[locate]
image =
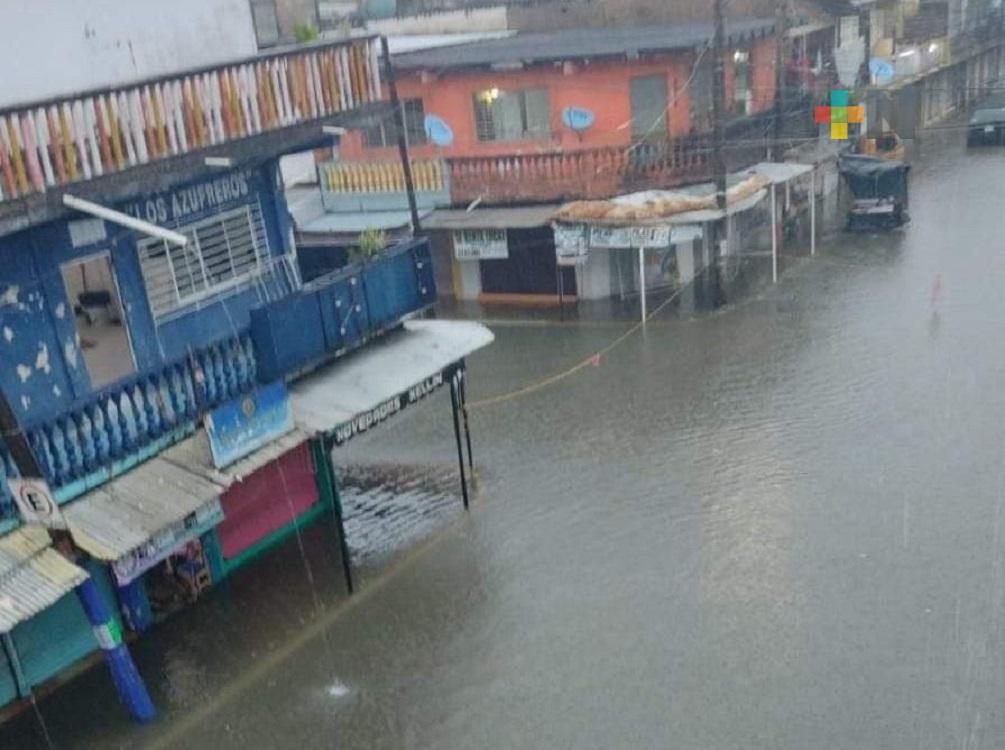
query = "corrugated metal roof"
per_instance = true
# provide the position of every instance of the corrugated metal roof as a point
(522, 217)
(374, 375)
(572, 44)
(194, 454)
(120, 516)
(354, 222)
(33, 576)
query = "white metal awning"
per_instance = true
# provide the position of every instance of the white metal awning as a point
(779, 173)
(33, 576)
(519, 217)
(373, 377)
(126, 513)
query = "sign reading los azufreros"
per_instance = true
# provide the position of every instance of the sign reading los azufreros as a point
(367, 419)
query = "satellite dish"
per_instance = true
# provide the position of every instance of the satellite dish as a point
(882, 71)
(438, 131)
(577, 118)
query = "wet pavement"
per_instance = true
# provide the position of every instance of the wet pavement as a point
(776, 525)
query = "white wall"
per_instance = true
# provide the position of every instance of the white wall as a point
(446, 22)
(56, 47)
(471, 278)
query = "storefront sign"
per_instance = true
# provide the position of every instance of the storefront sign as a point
(166, 542)
(193, 201)
(36, 503)
(624, 237)
(244, 425)
(363, 422)
(571, 247)
(480, 244)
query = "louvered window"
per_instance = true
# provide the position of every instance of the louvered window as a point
(222, 251)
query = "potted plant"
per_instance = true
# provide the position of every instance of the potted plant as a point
(371, 242)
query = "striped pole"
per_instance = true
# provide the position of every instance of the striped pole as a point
(127, 679)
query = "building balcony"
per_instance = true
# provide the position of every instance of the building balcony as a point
(518, 178)
(581, 174)
(110, 140)
(111, 430)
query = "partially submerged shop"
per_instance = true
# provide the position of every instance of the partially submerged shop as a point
(259, 469)
(501, 255)
(659, 241)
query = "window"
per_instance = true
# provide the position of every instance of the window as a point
(741, 81)
(93, 293)
(512, 115)
(649, 107)
(263, 14)
(222, 251)
(381, 133)
(700, 92)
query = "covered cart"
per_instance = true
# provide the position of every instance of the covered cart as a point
(879, 192)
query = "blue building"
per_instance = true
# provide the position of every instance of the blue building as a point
(160, 351)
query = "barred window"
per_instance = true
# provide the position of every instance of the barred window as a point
(512, 115)
(222, 251)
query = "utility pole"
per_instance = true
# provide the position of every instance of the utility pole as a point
(399, 126)
(126, 677)
(718, 94)
(777, 152)
(718, 161)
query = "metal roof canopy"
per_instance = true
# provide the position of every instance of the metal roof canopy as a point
(779, 172)
(370, 377)
(573, 44)
(359, 221)
(33, 576)
(522, 217)
(374, 383)
(120, 516)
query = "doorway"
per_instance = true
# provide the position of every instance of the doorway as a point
(94, 298)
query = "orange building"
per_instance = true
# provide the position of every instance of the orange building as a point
(547, 117)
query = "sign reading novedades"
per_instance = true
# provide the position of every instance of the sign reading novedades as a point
(363, 422)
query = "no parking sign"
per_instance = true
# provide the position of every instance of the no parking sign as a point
(36, 502)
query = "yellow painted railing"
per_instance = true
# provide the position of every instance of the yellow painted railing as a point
(77, 138)
(383, 177)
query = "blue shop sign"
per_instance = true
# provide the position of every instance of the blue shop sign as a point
(244, 425)
(196, 201)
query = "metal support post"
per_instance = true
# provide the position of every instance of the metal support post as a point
(328, 487)
(14, 661)
(642, 280)
(813, 210)
(774, 236)
(463, 392)
(455, 405)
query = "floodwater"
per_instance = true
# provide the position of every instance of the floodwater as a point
(778, 525)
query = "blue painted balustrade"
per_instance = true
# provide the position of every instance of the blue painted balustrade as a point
(112, 429)
(121, 425)
(341, 311)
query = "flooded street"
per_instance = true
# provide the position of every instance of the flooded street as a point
(778, 525)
